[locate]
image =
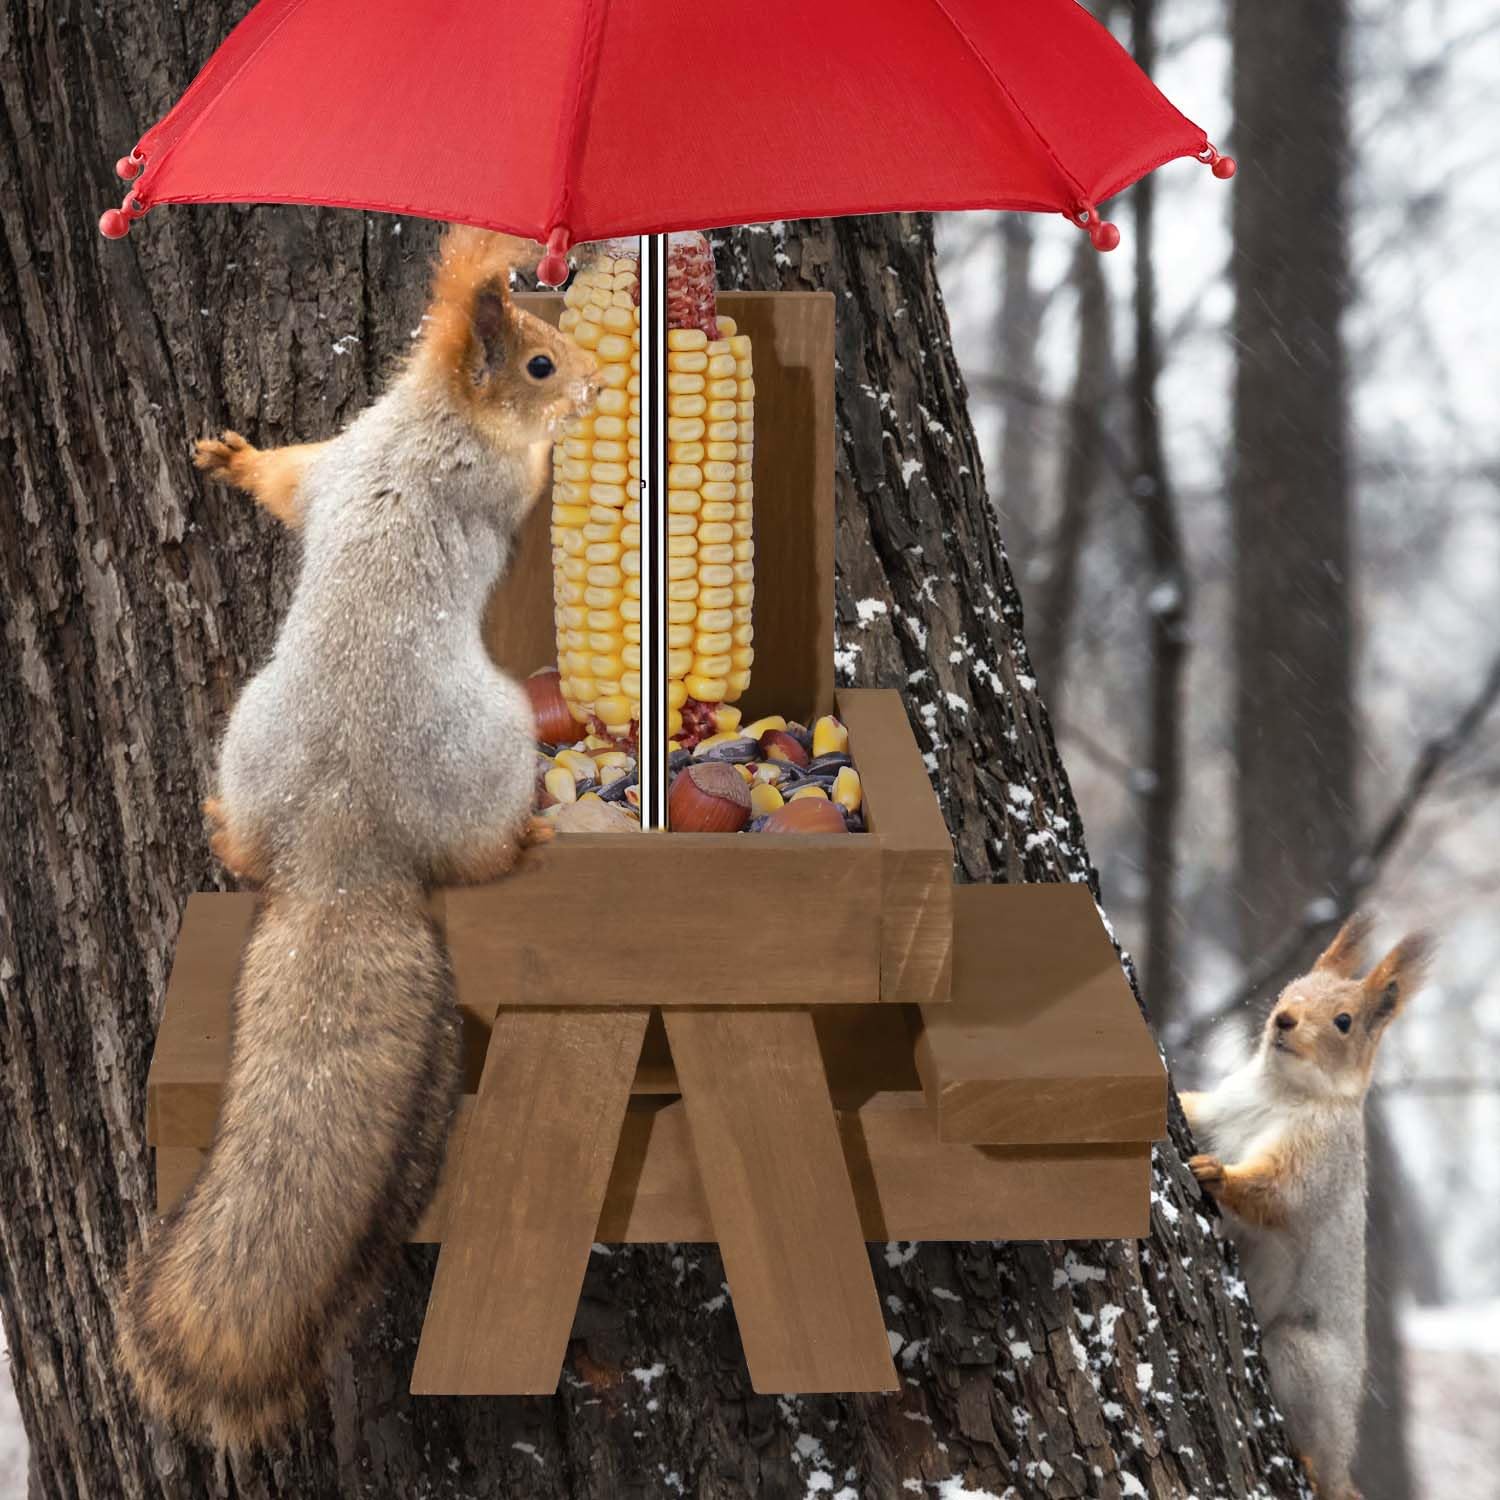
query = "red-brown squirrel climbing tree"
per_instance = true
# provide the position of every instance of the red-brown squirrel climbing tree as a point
(136, 601)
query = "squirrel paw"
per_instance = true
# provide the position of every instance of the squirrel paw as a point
(219, 457)
(242, 860)
(537, 830)
(1209, 1171)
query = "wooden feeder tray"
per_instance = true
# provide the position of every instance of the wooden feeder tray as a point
(786, 1045)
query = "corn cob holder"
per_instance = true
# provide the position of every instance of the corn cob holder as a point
(788, 1046)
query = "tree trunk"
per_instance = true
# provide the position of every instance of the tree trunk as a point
(1017, 325)
(1384, 1469)
(136, 601)
(1167, 594)
(1293, 612)
(1295, 730)
(1084, 464)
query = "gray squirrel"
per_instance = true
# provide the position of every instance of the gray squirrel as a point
(1284, 1139)
(378, 753)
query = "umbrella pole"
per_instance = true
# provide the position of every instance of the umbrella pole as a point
(652, 746)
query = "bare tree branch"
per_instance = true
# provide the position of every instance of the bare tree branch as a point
(1322, 918)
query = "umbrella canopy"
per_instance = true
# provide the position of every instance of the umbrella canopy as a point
(576, 120)
(572, 120)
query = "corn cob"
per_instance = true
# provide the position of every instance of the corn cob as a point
(596, 509)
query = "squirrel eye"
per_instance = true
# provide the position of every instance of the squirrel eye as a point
(539, 367)
(1343, 1020)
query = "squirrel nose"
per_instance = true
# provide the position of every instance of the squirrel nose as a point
(1285, 1021)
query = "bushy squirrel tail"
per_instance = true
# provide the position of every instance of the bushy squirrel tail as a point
(343, 1076)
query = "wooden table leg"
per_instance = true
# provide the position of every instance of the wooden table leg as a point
(526, 1199)
(778, 1190)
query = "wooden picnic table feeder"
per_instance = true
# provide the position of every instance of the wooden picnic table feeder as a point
(788, 1046)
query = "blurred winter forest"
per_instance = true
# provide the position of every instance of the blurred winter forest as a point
(1248, 468)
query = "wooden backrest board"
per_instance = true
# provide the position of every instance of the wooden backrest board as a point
(792, 338)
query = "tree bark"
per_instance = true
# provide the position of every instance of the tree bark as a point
(136, 601)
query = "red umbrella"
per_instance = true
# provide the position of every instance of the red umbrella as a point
(577, 120)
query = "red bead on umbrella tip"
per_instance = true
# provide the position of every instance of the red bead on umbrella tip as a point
(113, 225)
(552, 269)
(127, 168)
(1225, 167)
(1105, 236)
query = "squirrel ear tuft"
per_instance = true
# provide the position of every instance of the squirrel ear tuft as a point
(471, 303)
(490, 314)
(1392, 982)
(1342, 956)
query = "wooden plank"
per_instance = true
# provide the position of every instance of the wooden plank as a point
(593, 920)
(908, 1185)
(524, 1201)
(916, 853)
(1042, 1041)
(792, 338)
(191, 1056)
(911, 1186)
(192, 1040)
(792, 335)
(867, 1049)
(772, 1167)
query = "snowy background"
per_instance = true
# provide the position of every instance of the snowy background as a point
(12, 1438)
(1424, 347)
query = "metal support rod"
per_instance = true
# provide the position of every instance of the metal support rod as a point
(652, 743)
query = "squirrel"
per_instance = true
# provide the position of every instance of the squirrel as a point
(1285, 1159)
(378, 753)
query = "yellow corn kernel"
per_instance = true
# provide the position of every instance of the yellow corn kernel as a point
(829, 736)
(810, 792)
(560, 784)
(762, 726)
(575, 762)
(764, 798)
(847, 791)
